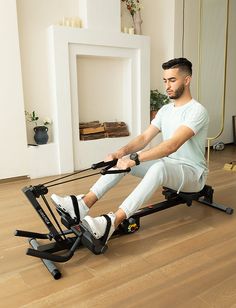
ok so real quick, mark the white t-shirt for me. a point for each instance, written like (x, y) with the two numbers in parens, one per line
(194, 116)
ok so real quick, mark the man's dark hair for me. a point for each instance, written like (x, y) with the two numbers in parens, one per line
(182, 63)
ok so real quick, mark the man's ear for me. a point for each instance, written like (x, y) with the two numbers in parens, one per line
(188, 80)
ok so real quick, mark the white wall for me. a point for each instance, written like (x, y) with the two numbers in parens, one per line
(231, 68)
(34, 18)
(188, 46)
(13, 153)
(158, 23)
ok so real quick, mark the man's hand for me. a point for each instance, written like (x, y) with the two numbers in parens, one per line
(125, 163)
(116, 155)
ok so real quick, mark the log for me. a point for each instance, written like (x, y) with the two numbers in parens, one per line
(110, 125)
(92, 136)
(90, 124)
(116, 130)
(96, 130)
(92, 130)
(117, 134)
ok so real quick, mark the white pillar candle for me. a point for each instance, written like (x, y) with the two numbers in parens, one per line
(131, 30)
(73, 22)
(64, 21)
(78, 22)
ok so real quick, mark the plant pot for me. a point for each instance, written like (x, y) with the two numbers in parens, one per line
(41, 134)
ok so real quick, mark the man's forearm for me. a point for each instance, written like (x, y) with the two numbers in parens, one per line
(162, 150)
(135, 145)
(168, 146)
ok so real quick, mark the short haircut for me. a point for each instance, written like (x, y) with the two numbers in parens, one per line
(182, 63)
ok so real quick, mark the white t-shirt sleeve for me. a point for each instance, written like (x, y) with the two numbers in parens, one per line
(196, 119)
(157, 120)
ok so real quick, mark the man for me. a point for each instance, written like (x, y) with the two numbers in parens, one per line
(178, 162)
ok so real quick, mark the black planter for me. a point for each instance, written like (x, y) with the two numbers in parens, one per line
(41, 134)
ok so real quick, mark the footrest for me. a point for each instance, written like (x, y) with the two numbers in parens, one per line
(88, 240)
(66, 220)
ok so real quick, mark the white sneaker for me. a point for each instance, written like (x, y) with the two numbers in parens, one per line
(98, 225)
(66, 205)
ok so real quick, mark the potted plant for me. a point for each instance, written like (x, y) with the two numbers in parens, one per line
(40, 131)
(157, 100)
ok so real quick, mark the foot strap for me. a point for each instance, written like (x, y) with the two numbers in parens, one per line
(108, 228)
(76, 207)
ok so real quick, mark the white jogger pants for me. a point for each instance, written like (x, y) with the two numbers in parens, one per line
(155, 173)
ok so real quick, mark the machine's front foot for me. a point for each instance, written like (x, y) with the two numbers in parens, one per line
(88, 240)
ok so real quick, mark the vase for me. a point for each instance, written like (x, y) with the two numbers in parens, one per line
(137, 21)
(41, 134)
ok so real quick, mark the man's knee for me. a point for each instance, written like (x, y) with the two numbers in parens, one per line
(157, 171)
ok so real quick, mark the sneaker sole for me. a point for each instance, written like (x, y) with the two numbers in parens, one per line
(58, 206)
(87, 222)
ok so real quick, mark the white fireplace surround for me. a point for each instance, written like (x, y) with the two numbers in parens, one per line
(66, 44)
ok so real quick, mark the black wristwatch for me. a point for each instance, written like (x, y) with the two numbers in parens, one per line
(134, 156)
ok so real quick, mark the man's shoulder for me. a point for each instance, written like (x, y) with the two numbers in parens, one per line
(167, 107)
(198, 105)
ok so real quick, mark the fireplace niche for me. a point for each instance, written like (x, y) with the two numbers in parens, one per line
(102, 97)
(97, 76)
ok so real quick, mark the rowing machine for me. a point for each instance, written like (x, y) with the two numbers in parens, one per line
(76, 235)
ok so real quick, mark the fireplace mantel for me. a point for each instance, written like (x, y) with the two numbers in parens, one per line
(65, 45)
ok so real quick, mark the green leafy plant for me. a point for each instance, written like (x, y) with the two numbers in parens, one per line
(157, 100)
(32, 117)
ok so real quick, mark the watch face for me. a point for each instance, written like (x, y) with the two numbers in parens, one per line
(134, 156)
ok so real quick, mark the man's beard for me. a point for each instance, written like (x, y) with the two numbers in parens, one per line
(177, 93)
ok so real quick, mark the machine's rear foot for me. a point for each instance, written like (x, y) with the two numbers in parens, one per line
(229, 211)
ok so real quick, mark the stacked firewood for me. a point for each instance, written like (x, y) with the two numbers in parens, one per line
(97, 130)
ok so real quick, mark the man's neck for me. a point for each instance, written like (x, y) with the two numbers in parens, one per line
(182, 100)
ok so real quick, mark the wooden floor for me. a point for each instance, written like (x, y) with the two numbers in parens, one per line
(181, 257)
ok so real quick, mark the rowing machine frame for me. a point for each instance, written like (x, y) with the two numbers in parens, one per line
(76, 234)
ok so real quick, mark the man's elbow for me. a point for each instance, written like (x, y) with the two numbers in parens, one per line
(172, 148)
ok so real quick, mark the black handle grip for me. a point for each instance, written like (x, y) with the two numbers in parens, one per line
(105, 171)
(101, 164)
(49, 256)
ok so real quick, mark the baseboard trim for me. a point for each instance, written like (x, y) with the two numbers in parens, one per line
(14, 179)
